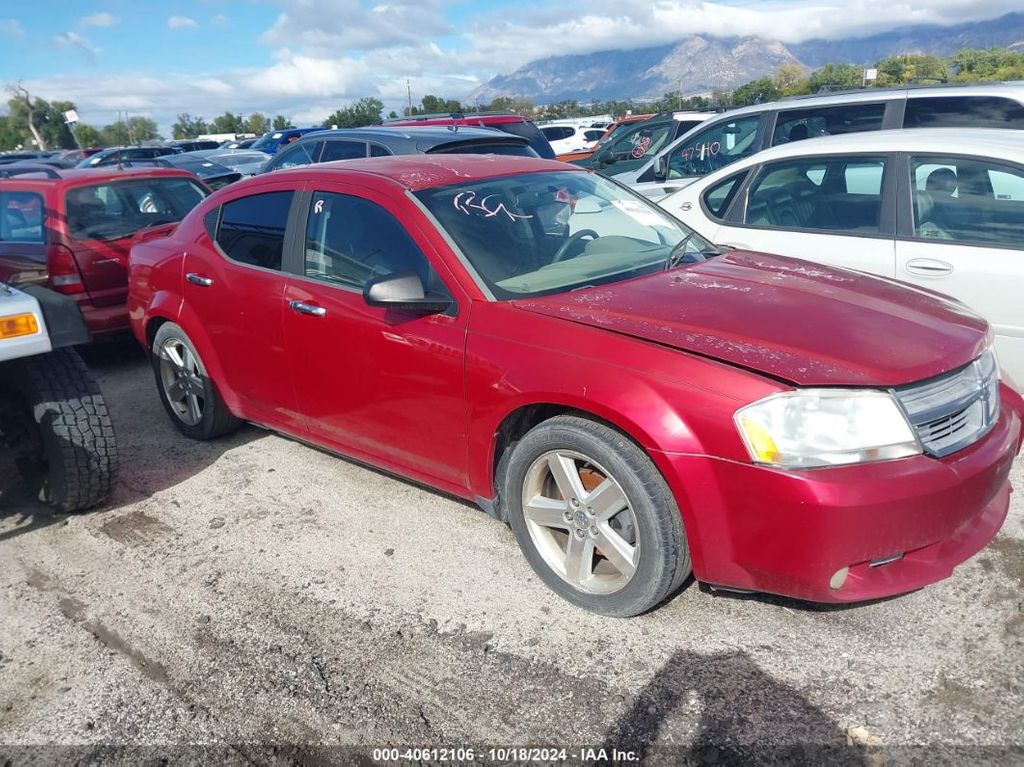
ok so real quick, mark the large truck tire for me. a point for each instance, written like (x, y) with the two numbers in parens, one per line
(56, 420)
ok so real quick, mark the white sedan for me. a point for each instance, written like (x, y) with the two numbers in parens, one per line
(571, 138)
(939, 208)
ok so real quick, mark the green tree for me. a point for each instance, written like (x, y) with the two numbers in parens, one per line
(256, 123)
(42, 121)
(899, 70)
(281, 122)
(11, 137)
(187, 126)
(756, 92)
(991, 64)
(790, 79)
(135, 130)
(434, 104)
(227, 123)
(518, 104)
(88, 135)
(363, 112)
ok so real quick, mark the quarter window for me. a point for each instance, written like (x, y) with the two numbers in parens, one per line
(977, 201)
(350, 241)
(21, 217)
(833, 195)
(718, 198)
(343, 150)
(295, 156)
(798, 124)
(717, 146)
(963, 112)
(252, 229)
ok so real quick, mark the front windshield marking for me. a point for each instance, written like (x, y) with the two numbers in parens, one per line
(539, 233)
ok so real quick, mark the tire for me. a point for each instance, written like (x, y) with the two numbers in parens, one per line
(646, 536)
(209, 417)
(61, 429)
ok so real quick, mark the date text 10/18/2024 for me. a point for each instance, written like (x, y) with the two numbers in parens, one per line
(505, 754)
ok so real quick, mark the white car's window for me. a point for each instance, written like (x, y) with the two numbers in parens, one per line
(718, 198)
(838, 194)
(967, 200)
(717, 146)
(540, 233)
(798, 124)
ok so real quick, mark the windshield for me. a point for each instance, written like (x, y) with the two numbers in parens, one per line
(270, 138)
(118, 209)
(498, 147)
(539, 233)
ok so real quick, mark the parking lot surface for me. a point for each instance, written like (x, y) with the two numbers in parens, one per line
(254, 590)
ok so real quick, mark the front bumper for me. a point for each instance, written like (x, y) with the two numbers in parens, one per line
(791, 532)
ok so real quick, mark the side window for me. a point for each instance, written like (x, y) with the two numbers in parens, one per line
(558, 132)
(593, 135)
(963, 112)
(21, 217)
(840, 194)
(342, 150)
(798, 124)
(252, 229)
(376, 150)
(642, 141)
(970, 200)
(718, 198)
(350, 241)
(721, 144)
(294, 156)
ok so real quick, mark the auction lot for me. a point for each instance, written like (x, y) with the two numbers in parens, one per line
(254, 590)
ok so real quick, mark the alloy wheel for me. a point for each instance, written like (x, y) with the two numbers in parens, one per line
(182, 381)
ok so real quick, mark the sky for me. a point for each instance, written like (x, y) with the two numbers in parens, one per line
(306, 58)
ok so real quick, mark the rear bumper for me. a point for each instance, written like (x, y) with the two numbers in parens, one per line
(792, 532)
(103, 320)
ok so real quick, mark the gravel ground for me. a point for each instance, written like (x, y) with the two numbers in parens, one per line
(253, 592)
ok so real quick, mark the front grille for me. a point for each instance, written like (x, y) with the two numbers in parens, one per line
(955, 410)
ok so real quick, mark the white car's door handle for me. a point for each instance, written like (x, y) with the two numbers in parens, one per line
(928, 267)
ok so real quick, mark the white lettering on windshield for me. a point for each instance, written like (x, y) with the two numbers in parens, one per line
(466, 203)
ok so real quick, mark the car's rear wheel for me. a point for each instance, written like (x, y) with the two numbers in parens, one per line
(186, 390)
(594, 517)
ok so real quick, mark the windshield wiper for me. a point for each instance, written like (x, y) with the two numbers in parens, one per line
(672, 260)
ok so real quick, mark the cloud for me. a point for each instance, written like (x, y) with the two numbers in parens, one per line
(74, 40)
(220, 18)
(325, 26)
(181, 22)
(11, 28)
(99, 20)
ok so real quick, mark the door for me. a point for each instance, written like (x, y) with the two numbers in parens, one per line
(234, 286)
(833, 210)
(381, 384)
(964, 236)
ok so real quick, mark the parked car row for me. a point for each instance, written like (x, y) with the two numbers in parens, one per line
(635, 401)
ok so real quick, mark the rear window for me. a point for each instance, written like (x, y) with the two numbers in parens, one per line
(21, 217)
(530, 132)
(118, 209)
(510, 149)
(963, 112)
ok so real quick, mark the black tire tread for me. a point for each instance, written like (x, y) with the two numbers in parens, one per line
(66, 402)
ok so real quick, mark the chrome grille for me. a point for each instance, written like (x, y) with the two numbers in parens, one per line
(955, 410)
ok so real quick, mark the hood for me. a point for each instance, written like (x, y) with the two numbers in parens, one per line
(801, 322)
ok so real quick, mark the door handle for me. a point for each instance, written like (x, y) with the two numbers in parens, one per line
(304, 308)
(198, 279)
(928, 267)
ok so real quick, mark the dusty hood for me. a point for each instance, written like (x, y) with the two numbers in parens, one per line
(794, 320)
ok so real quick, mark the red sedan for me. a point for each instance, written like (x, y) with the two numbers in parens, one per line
(636, 405)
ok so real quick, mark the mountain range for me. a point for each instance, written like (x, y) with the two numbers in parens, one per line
(700, 63)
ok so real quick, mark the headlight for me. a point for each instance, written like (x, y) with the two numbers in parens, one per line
(825, 427)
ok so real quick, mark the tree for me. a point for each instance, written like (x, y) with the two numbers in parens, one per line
(281, 122)
(256, 123)
(24, 109)
(88, 135)
(756, 92)
(134, 130)
(227, 123)
(991, 64)
(10, 136)
(434, 104)
(517, 104)
(363, 112)
(899, 70)
(392, 115)
(187, 126)
(834, 77)
(790, 79)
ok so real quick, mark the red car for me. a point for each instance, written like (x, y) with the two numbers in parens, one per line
(70, 230)
(539, 339)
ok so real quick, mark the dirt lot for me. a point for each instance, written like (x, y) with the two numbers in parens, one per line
(255, 591)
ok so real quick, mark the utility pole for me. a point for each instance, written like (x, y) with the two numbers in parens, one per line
(408, 88)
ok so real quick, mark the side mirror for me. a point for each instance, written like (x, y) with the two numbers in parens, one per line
(605, 157)
(403, 290)
(661, 167)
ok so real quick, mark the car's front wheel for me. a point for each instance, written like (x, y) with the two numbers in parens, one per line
(189, 395)
(594, 517)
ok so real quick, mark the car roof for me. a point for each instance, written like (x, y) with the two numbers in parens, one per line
(459, 118)
(80, 176)
(425, 171)
(1013, 89)
(417, 135)
(989, 142)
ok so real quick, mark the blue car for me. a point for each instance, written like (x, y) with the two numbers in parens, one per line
(273, 140)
